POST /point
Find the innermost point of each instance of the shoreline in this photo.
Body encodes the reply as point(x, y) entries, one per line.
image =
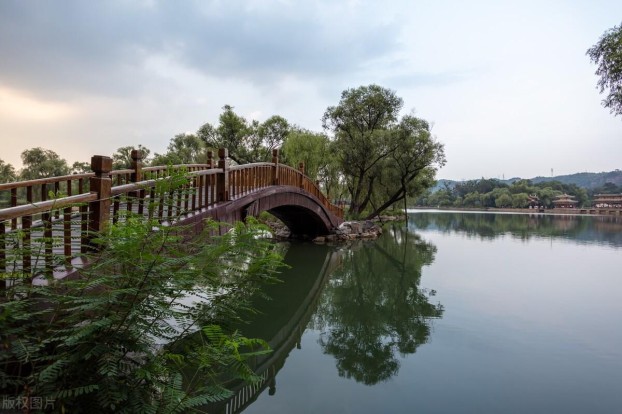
point(597, 212)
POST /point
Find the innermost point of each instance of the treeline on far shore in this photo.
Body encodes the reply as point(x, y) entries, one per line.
point(495, 193)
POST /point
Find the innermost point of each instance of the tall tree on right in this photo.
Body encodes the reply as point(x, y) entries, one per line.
point(383, 159)
point(607, 54)
point(411, 168)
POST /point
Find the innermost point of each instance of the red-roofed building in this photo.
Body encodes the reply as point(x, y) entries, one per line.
point(565, 201)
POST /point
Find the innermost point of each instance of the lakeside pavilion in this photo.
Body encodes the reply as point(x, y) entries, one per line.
point(607, 201)
point(565, 201)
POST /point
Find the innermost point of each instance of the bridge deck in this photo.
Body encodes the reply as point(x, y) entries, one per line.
point(49, 251)
point(46, 234)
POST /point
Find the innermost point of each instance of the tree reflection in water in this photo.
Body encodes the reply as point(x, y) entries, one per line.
point(373, 308)
point(584, 229)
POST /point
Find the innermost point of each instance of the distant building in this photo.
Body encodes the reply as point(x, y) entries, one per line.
point(533, 201)
point(565, 201)
point(607, 201)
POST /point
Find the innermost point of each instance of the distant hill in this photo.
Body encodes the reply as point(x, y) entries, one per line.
point(585, 179)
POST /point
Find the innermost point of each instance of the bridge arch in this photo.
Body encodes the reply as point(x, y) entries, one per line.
point(301, 211)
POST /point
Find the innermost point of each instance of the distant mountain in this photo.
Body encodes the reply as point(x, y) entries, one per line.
point(585, 179)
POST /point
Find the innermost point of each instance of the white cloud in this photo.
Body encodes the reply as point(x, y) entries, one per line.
point(507, 84)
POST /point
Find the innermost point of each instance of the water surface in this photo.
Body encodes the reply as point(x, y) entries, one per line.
point(457, 312)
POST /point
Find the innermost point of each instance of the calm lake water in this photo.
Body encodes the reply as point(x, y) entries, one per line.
point(455, 313)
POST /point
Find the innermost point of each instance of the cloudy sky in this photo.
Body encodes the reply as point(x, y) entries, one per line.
point(506, 84)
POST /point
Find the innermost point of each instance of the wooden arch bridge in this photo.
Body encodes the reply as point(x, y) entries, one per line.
point(58, 216)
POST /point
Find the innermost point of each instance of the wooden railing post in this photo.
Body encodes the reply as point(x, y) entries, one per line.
point(135, 177)
point(222, 182)
point(210, 159)
point(137, 166)
point(301, 168)
point(101, 184)
point(275, 169)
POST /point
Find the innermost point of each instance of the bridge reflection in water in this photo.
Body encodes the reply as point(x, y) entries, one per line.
point(282, 319)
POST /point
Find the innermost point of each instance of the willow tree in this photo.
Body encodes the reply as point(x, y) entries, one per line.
point(607, 54)
point(383, 159)
point(315, 151)
point(411, 168)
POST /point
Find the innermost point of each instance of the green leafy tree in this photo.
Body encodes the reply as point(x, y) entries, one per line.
point(547, 195)
point(360, 122)
point(521, 186)
point(520, 200)
point(80, 167)
point(503, 200)
point(318, 154)
point(7, 175)
point(230, 134)
point(115, 339)
point(441, 198)
point(309, 147)
point(208, 135)
point(369, 138)
point(411, 167)
point(122, 158)
point(42, 163)
point(183, 149)
point(272, 134)
point(472, 200)
point(245, 141)
point(607, 55)
point(7, 172)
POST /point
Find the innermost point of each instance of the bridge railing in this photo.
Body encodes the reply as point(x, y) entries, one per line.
point(54, 219)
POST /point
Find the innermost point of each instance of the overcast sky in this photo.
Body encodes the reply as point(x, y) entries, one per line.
point(506, 84)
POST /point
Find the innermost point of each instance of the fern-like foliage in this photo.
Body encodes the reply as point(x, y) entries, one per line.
point(144, 329)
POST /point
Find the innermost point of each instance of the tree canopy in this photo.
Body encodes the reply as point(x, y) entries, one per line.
point(311, 148)
point(7, 172)
point(495, 193)
point(183, 149)
point(607, 55)
point(382, 158)
point(42, 163)
point(371, 156)
point(122, 158)
point(246, 141)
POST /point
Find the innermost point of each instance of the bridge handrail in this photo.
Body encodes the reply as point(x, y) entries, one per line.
point(251, 165)
point(101, 199)
point(39, 181)
point(43, 206)
point(313, 188)
point(141, 185)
